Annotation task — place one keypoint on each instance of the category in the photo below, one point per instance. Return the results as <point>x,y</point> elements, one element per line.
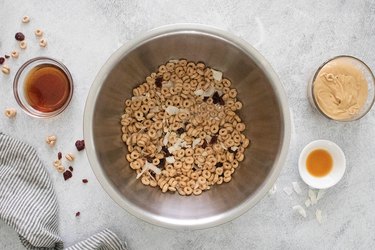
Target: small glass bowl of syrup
<point>321,164</point>
<point>43,87</point>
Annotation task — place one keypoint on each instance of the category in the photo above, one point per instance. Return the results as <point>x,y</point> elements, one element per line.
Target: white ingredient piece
<point>234,148</point>
<point>300,210</point>
<point>148,166</point>
<point>172,110</point>
<point>321,194</point>
<point>319,216</point>
<point>288,190</point>
<point>196,142</point>
<point>169,84</point>
<point>312,196</point>
<point>296,187</point>
<point>307,202</point>
<point>199,92</point>
<point>155,110</point>
<point>273,190</point>
<point>209,92</point>
<point>165,140</point>
<point>217,75</point>
<point>170,159</point>
<point>176,146</point>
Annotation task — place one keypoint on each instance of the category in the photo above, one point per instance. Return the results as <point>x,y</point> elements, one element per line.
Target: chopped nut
<point>25,19</point>
<point>14,54</point>
<point>51,140</point>
<point>23,45</point>
<point>5,69</point>
<point>38,32</point>
<point>43,42</point>
<point>10,112</point>
<point>69,157</point>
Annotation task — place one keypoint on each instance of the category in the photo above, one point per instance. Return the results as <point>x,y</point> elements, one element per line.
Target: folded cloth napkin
<point>28,201</point>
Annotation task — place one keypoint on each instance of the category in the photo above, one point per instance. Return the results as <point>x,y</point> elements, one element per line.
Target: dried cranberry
<point>71,168</point>
<point>2,60</point>
<point>213,139</point>
<point>166,151</point>
<point>180,131</point>
<point>219,164</point>
<point>216,98</point>
<point>204,145</point>
<point>161,163</point>
<point>149,159</point>
<point>67,175</point>
<point>19,36</point>
<point>59,155</point>
<point>78,214</point>
<point>6,56</point>
<point>205,98</point>
<point>85,180</point>
<point>80,145</point>
<point>158,81</point>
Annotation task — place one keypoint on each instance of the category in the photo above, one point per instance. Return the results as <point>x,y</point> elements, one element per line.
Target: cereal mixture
<point>182,130</point>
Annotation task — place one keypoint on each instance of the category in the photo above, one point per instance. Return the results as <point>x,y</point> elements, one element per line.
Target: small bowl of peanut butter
<point>343,89</point>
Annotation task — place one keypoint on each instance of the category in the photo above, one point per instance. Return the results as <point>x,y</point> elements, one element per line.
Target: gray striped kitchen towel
<point>28,201</point>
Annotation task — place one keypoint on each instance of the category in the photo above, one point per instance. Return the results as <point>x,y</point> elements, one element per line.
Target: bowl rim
<point>211,221</point>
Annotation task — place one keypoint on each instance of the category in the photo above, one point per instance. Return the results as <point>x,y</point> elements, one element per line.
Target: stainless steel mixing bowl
<point>265,111</point>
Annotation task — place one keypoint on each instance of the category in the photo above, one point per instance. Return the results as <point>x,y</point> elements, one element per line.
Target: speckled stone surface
<point>294,36</point>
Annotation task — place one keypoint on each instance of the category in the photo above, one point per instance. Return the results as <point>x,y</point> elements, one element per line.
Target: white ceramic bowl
<point>338,169</point>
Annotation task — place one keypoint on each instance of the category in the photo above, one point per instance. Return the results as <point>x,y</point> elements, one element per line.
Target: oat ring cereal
<point>182,129</point>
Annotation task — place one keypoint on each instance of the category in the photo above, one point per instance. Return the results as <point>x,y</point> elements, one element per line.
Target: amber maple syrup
<point>46,88</point>
<point>319,163</point>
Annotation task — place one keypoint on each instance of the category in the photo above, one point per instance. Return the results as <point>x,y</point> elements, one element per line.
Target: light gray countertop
<point>294,36</point>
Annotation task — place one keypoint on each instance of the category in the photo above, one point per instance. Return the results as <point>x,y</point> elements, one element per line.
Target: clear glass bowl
<point>19,86</point>
<point>368,75</point>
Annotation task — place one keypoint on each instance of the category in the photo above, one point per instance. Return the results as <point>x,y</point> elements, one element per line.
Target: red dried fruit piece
<point>67,175</point>
<point>19,36</point>
<point>59,155</point>
<point>158,81</point>
<point>85,180</point>
<point>78,214</point>
<point>6,56</point>
<point>213,139</point>
<point>80,145</point>
<point>71,168</point>
<point>2,60</point>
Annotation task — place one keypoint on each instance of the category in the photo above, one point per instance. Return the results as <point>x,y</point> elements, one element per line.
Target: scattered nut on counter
<point>25,19</point>
<point>15,54</point>
<point>38,32</point>
<point>23,45</point>
<point>10,112</point>
<point>51,140</point>
<point>5,69</point>
<point>43,42</point>
<point>69,157</point>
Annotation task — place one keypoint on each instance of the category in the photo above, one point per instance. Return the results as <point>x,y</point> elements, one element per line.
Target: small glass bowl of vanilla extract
<point>43,87</point>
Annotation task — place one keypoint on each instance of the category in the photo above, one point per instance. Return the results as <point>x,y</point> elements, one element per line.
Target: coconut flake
<point>307,202</point>
<point>312,196</point>
<point>199,92</point>
<point>273,190</point>
<point>196,142</point>
<point>223,146</point>
<point>172,110</point>
<point>318,215</point>
<point>300,210</point>
<point>173,61</point>
<point>234,148</point>
<point>321,194</point>
<point>148,166</point>
<point>217,75</point>
<point>165,140</point>
<point>296,187</point>
<point>169,84</point>
<point>288,190</point>
<point>155,109</point>
<point>175,146</point>
<point>170,159</point>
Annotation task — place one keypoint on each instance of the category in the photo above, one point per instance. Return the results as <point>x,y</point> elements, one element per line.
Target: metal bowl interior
<point>265,111</point>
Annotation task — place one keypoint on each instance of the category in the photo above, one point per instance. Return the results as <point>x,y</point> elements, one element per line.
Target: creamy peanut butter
<point>340,89</point>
